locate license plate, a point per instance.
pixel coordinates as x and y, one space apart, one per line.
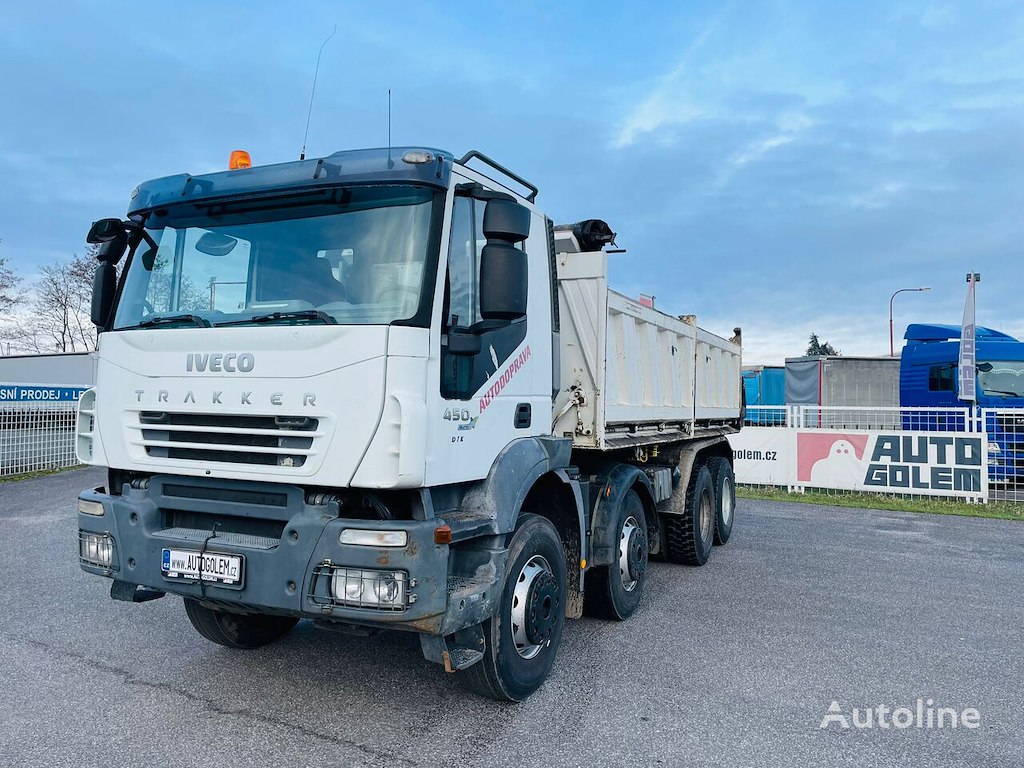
213 566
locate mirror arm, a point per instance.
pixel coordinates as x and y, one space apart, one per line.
136 228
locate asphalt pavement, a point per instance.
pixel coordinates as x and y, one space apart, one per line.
733 664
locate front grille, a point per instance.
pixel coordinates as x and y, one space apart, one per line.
221 523
281 441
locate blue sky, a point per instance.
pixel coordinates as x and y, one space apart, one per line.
783 166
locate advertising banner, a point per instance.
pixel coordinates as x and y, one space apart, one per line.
765 456
923 463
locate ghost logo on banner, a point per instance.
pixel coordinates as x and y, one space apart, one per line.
821 456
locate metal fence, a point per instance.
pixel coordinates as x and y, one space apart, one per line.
1002 429
36 436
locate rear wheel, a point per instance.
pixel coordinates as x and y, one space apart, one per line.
724 481
690 535
236 630
523 636
614 591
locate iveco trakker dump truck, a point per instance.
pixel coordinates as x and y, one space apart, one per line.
382 389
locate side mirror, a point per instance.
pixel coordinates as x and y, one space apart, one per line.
506 220
111 237
503 282
104 230
104 286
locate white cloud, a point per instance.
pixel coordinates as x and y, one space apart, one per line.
668 103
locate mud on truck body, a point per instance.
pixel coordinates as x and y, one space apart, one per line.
381 389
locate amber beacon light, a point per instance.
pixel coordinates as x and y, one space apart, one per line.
239 159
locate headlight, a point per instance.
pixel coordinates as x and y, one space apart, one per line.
90 507
96 549
369 589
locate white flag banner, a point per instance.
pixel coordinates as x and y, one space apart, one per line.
968 363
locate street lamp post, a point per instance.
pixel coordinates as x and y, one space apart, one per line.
892 349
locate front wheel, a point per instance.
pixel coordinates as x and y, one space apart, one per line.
523 636
237 630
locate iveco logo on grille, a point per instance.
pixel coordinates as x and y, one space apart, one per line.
216 362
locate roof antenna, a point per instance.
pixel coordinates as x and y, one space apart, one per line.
391 163
302 154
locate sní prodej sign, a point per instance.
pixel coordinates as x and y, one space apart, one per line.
39 393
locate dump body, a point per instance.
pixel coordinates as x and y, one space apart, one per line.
630 374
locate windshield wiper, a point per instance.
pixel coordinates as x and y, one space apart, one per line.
301 314
167 319
1002 392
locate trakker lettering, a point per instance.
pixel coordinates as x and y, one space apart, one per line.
218 362
504 379
218 397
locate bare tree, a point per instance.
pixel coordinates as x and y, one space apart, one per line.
9 282
59 318
10 298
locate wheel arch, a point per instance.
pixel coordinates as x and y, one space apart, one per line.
556 497
693 455
530 475
621 479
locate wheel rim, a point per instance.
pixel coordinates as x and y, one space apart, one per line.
706 515
536 603
632 554
727 502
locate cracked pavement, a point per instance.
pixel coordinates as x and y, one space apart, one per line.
732 664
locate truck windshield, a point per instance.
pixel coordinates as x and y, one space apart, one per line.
1001 378
347 255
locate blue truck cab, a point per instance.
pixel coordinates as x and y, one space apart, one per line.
928 378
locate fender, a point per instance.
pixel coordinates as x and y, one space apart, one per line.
497 500
620 479
675 504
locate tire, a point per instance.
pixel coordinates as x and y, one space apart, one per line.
724 481
690 535
519 655
236 630
614 592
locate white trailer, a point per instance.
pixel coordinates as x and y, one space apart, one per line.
379 388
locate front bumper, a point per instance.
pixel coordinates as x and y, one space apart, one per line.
289 547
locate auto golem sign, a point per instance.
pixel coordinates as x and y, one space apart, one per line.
925 463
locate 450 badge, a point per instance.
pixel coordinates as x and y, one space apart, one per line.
465 421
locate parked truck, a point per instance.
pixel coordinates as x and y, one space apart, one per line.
380 389
929 378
